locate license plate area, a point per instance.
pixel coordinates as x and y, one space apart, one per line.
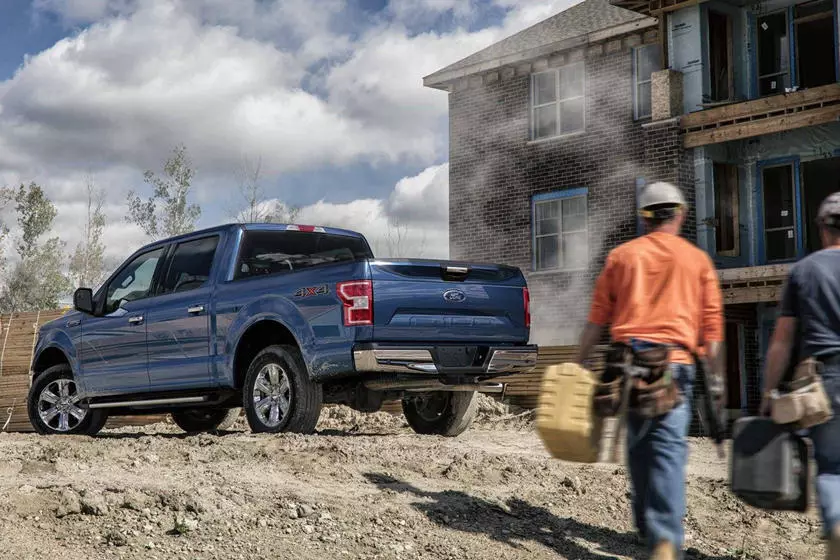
455 356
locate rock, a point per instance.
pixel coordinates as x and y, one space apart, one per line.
194 505
135 500
308 529
324 517
94 504
293 514
305 511
115 538
68 503
263 523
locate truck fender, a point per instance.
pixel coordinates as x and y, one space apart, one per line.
273 308
46 353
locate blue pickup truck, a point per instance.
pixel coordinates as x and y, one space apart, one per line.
277 320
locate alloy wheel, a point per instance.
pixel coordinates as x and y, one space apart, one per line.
272 395
58 405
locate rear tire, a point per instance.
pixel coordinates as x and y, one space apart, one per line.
52 405
443 413
195 420
278 394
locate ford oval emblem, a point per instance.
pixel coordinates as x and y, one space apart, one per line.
455 296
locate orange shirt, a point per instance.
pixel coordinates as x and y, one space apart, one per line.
663 289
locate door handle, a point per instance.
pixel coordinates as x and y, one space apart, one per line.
195 309
135 320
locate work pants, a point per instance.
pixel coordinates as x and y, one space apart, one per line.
657 453
826 441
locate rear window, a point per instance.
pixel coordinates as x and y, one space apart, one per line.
273 252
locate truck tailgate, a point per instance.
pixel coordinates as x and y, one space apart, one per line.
426 301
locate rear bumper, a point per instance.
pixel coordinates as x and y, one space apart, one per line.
485 361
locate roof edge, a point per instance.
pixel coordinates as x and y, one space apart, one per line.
438 79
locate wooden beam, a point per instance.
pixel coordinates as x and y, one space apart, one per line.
768 125
659 7
754 272
768 294
758 107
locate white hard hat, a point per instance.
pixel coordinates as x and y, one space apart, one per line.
659 193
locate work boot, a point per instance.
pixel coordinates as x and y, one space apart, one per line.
665 550
833 548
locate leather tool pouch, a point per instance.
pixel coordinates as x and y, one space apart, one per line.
606 401
654 391
804 403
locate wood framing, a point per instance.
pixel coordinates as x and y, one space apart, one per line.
753 284
655 7
778 113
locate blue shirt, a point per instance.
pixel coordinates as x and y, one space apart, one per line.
812 296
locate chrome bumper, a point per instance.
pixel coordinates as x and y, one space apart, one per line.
500 361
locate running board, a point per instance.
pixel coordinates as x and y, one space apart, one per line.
151 402
420 385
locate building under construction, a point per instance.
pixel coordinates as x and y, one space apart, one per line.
554 129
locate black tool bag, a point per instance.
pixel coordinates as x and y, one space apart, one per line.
652 390
769 465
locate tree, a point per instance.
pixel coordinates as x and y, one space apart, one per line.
37 281
256 207
87 266
166 212
397 241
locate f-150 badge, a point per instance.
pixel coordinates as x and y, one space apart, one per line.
312 291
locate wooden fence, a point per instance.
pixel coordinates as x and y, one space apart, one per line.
18 334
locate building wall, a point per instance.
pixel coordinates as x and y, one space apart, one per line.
495 171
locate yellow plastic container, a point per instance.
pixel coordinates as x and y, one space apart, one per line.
565 421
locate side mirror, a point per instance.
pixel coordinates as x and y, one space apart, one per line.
83 300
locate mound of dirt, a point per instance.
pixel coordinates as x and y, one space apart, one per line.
492 414
345 419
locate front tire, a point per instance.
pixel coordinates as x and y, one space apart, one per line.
278 395
52 405
196 420
443 413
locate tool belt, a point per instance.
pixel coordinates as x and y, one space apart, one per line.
640 380
804 402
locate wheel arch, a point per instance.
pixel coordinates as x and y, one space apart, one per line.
47 358
257 336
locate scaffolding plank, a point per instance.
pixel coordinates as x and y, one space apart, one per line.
767 294
759 107
770 271
769 125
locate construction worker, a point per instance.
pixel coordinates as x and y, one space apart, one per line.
809 322
659 289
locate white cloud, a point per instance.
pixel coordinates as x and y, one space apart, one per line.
384 223
283 80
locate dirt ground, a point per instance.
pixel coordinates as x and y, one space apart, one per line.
364 486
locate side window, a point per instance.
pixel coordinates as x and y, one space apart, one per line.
647 60
274 252
134 281
190 265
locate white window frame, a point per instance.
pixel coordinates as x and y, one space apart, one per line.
560 197
637 82
557 102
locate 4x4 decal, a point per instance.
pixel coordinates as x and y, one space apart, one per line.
312 291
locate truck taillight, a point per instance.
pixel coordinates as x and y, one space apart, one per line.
526 298
357 301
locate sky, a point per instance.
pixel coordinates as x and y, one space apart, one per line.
327 94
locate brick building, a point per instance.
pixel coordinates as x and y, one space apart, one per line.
554 129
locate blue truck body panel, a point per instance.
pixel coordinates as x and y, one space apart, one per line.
187 340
